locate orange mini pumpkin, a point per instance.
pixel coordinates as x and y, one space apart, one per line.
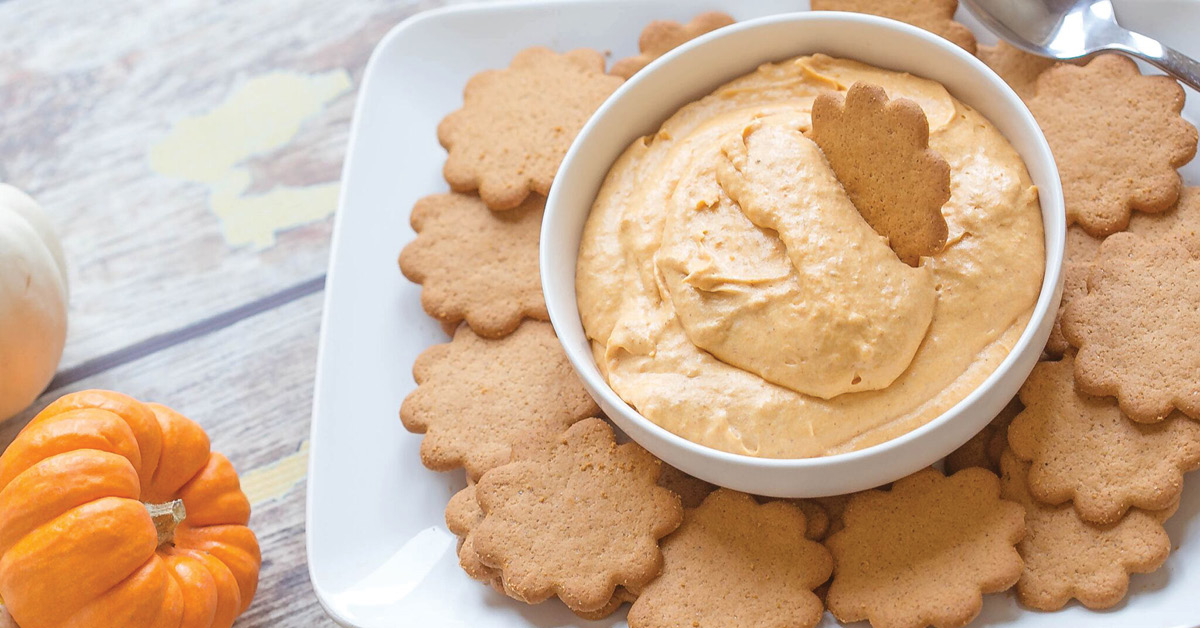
116 513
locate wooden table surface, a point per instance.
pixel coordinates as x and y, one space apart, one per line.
189 153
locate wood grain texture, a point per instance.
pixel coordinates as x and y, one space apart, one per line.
250 386
86 94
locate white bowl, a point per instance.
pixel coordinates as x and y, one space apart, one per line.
694 70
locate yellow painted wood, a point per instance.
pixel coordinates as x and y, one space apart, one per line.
278 479
262 115
215 218
89 95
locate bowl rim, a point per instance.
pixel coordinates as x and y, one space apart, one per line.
1049 197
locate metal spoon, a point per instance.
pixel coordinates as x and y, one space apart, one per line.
1070 29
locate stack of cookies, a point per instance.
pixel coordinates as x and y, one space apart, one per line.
1108 429
1062 496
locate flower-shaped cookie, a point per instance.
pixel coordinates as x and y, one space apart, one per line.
516 124
835 510
935 16
1075 276
1018 68
1067 557
735 562
1181 223
925 552
1136 327
477 398
1084 450
551 517
1117 137
834 506
691 490
879 150
984 449
476 265
663 36
815 516
462 515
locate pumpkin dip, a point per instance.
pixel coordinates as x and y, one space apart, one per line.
734 295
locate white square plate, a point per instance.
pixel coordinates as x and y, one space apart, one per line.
378 550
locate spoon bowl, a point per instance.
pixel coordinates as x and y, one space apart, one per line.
1071 29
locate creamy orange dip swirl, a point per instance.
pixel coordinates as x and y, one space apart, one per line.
734 295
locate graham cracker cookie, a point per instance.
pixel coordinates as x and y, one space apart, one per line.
1018 68
815 516
879 150
691 490
516 124
1180 223
1068 558
576 520
1117 137
663 36
476 265
476 398
834 506
1084 450
462 515
835 509
1136 327
925 552
1080 253
620 596
984 449
735 562
935 16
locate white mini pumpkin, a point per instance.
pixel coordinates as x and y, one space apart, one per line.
33 301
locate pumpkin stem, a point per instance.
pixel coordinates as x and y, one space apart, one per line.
166 518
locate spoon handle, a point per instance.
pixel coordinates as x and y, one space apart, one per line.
1167 59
